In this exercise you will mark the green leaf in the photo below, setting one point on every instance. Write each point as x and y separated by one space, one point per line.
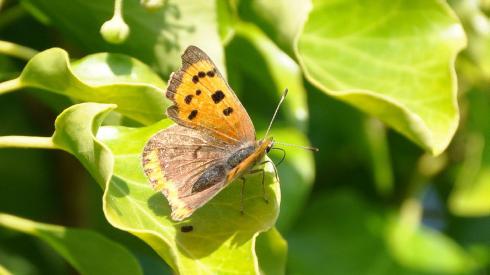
157 38
272 252
415 245
105 78
470 196
87 251
226 20
474 63
284 72
222 240
344 234
391 59
281 20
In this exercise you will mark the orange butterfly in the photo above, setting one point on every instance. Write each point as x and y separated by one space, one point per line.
212 144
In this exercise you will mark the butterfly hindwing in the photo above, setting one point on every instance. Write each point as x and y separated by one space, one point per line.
203 100
175 161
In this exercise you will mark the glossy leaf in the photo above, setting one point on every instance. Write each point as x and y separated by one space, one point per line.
157 38
391 59
87 251
222 240
105 78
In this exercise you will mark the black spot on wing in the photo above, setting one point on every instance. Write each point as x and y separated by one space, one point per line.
201 74
188 99
192 115
218 96
195 79
228 111
198 92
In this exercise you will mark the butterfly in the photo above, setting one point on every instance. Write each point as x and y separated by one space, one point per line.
212 143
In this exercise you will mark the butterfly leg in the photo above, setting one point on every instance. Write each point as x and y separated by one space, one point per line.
263 182
273 166
242 193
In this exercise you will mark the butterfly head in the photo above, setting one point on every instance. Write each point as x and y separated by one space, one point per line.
270 143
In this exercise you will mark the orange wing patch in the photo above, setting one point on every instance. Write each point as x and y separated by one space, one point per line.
203 100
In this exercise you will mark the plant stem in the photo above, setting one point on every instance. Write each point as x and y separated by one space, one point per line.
379 150
10 86
118 8
15 50
16 223
27 142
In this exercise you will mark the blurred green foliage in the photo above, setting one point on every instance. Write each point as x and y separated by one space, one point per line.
401 184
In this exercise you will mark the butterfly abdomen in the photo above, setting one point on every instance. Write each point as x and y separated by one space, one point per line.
210 177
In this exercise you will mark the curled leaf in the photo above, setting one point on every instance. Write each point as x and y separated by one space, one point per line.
104 78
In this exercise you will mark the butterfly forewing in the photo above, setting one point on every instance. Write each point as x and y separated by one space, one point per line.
203 100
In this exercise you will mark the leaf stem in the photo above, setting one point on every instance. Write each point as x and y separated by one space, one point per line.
15 50
10 86
27 142
16 223
380 156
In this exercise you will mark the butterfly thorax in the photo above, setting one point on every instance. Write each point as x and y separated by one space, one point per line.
239 155
245 158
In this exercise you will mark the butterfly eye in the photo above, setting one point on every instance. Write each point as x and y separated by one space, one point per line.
268 148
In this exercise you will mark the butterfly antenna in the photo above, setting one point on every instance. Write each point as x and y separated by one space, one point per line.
277 109
314 149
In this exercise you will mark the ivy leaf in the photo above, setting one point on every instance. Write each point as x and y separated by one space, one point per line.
157 38
391 59
222 240
87 251
103 77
